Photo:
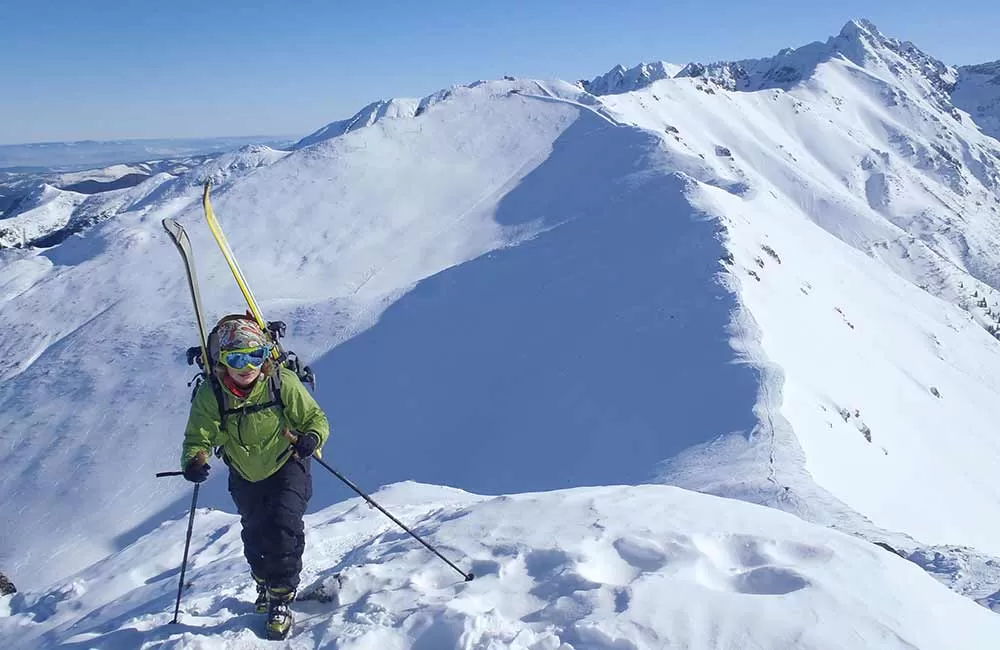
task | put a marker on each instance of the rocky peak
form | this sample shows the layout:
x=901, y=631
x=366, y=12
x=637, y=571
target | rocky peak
x=622, y=80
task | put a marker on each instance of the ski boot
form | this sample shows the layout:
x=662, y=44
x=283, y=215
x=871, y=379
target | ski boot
x=260, y=605
x=279, y=615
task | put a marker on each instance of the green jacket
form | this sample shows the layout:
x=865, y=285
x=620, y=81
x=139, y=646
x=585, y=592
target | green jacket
x=253, y=442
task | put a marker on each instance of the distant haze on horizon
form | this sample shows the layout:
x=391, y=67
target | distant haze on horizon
x=187, y=70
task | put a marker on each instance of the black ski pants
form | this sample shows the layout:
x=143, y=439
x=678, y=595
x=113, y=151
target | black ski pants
x=271, y=513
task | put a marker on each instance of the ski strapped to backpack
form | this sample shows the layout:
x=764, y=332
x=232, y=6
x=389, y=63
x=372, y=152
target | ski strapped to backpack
x=227, y=252
x=207, y=354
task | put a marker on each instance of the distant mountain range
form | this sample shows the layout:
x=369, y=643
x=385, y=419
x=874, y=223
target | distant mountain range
x=43, y=157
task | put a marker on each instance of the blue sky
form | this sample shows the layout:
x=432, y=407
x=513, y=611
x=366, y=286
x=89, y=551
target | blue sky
x=96, y=70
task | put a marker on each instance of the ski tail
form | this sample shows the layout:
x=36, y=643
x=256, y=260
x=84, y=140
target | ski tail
x=276, y=329
x=227, y=252
x=180, y=238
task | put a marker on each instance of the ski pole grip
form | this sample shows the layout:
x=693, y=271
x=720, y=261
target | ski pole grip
x=162, y=474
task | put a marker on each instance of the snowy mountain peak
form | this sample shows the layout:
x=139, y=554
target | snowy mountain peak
x=810, y=300
x=860, y=28
x=246, y=158
x=365, y=117
x=863, y=43
x=859, y=41
x=622, y=80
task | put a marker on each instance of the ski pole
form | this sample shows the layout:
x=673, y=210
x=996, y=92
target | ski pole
x=467, y=576
x=187, y=542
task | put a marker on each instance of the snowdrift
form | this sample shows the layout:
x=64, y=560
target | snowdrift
x=636, y=568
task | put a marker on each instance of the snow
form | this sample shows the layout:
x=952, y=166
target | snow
x=103, y=174
x=849, y=335
x=365, y=117
x=978, y=93
x=590, y=346
x=601, y=567
x=621, y=80
x=49, y=215
x=46, y=210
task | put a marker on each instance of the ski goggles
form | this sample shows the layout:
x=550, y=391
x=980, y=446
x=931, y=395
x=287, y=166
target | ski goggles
x=245, y=357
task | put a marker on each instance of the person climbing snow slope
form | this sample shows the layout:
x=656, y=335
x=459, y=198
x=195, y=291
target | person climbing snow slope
x=265, y=425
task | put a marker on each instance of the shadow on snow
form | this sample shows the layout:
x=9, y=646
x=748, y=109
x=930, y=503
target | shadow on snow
x=584, y=356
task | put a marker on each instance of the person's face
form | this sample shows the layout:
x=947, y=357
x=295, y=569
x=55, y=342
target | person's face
x=243, y=378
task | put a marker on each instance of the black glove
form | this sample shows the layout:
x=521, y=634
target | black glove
x=197, y=470
x=306, y=444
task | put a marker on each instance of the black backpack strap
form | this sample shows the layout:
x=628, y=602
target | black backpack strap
x=220, y=397
x=274, y=390
x=274, y=383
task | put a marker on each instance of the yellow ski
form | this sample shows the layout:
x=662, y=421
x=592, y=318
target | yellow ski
x=220, y=238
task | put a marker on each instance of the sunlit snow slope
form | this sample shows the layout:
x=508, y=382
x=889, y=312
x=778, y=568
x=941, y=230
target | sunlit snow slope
x=548, y=364
x=864, y=235
x=770, y=280
x=603, y=568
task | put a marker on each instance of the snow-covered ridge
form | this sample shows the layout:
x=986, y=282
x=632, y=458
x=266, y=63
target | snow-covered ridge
x=236, y=163
x=64, y=204
x=620, y=80
x=403, y=108
x=44, y=211
x=859, y=41
x=465, y=266
x=882, y=167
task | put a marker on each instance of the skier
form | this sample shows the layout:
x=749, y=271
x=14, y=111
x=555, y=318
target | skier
x=266, y=426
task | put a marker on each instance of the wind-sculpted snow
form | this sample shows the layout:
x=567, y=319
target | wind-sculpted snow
x=782, y=295
x=606, y=568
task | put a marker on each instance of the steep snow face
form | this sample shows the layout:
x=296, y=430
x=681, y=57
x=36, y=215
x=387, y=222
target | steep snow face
x=978, y=93
x=862, y=219
x=620, y=80
x=643, y=568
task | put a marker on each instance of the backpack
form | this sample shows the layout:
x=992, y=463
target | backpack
x=288, y=359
